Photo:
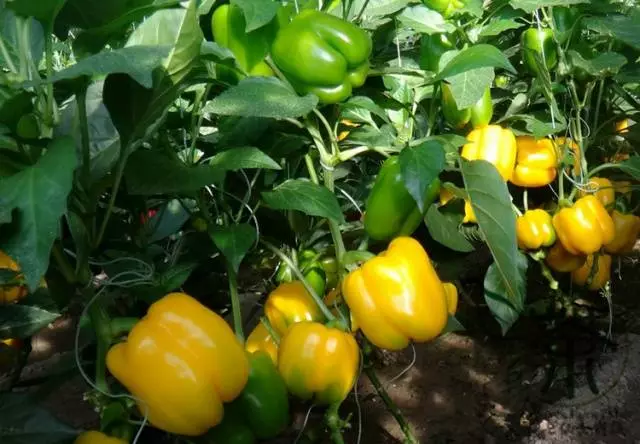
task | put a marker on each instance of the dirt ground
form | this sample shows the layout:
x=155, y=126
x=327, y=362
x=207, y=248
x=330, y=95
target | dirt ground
x=468, y=387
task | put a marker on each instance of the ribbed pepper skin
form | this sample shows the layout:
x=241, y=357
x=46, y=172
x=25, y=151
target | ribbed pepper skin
x=289, y=304
x=494, y=144
x=261, y=340
x=538, y=41
x=322, y=54
x=627, y=232
x=560, y=260
x=318, y=362
x=603, y=189
x=534, y=229
x=182, y=362
x=585, y=227
x=536, y=162
x=390, y=210
x=94, y=437
x=13, y=293
x=601, y=272
x=397, y=297
x=479, y=114
x=451, y=292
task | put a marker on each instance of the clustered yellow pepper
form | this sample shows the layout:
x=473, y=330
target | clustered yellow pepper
x=94, y=437
x=560, y=260
x=494, y=144
x=181, y=362
x=534, y=229
x=261, y=340
x=290, y=303
x=536, y=162
x=627, y=232
x=585, y=227
x=601, y=188
x=599, y=272
x=397, y=296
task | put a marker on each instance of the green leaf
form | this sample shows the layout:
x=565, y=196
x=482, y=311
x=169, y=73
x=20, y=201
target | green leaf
x=540, y=128
x=631, y=166
x=474, y=57
x=234, y=242
x=45, y=11
x=491, y=204
x=604, y=65
x=22, y=421
x=532, y=5
x=95, y=14
x=497, y=27
x=305, y=196
x=257, y=13
x=135, y=61
x=14, y=33
x=453, y=325
x=167, y=221
x=628, y=74
x=424, y=20
x=496, y=293
x=243, y=157
x=261, y=97
x=618, y=26
x=39, y=195
x=467, y=88
x=176, y=276
x=443, y=227
x=420, y=166
x=21, y=321
x=150, y=172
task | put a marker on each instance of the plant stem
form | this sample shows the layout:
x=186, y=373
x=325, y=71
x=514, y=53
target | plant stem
x=114, y=192
x=333, y=225
x=101, y=325
x=391, y=406
x=65, y=267
x=525, y=199
x=294, y=268
x=332, y=418
x=364, y=7
x=267, y=325
x=353, y=152
x=48, y=51
x=312, y=171
x=235, y=302
x=81, y=98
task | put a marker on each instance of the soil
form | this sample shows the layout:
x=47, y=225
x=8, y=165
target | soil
x=466, y=387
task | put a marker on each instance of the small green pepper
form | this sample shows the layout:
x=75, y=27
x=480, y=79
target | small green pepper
x=479, y=114
x=538, y=41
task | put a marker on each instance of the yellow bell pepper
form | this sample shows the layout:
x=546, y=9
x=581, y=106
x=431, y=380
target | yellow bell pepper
x=603, y=189
x=13, y=293
x=622, y=126
x=469, y=214
x=397, y=296
x=585, y=227
x=559, y=259
x=261, y=340
x=318, y=362
x=335, y=297
x=182, y=362
x=536, y=162
x=94, y=437
x=290, y=303
x=494, y=144
x=601, y=275
x=534, y=229
x=627, y=231
x=451, y=292
x=564, y=143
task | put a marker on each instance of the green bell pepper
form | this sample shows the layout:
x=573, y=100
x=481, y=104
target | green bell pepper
x=431, y=49
x=390, y=210
x=538, y=41
x=262, y=409
x=445, y=7
x=479, y=114
x=228, y=26
x=324, y=55
x=310, y=266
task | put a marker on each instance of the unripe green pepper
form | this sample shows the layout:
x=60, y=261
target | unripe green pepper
x=479, y=114
x=391, y=211
x=444, y=7
x=431, y=49
x=310, y=266
x=262, y=409
x=538, y=41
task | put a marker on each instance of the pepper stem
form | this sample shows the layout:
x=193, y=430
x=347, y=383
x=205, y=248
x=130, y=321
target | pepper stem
x=332, y=418
x=235, y=302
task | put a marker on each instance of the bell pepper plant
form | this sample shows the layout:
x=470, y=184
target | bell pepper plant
x=538, y=44
x=479, y=114
x=627, y=229
x=494, y=144
x=536, y=162
x=534, y=229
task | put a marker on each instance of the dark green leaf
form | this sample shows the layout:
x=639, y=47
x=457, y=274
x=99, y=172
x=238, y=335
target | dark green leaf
x=234, y=242
x=629, y=74
x=631, y=166
x=532, y=5
x=497, y=27
x=618, y=26
x=261, y=97
x=305, y=196
x=44, y=11
x=21, y=321
x=39, y=194
x=467, y=88
x=491, y=204
x=150, y=172
x=424, y=20
x=243, y=157
x=420, y=166
x=603, y=65
x=497, y=295
x=167, y=221
x=443, y=228
x=14, y=36
x=257, y=13
x=474, y=57
x=176, y=276
x=539, y=128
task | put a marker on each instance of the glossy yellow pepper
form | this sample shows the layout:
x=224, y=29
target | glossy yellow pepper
x=494, y=144
x=469, y=214
x=559, y=259
x=536, y=162
x=603, y=189
x=94, y=437
x=451, y=292
x=627, y=232
x=11, y=293
x=261, y=340
x=397, y=296
x=534, y=229
x=318, y=362
x=182, y=362
x=290, y=303
x=585, y=227
x=622, y=126
x=601, y=275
